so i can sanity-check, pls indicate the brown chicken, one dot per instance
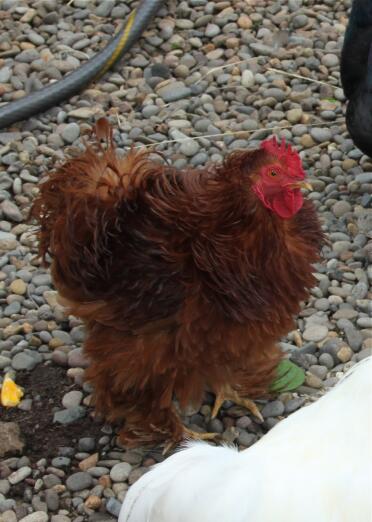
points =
(186, 279)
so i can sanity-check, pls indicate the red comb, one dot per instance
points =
(286, 155)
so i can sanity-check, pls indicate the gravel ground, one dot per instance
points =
(204, 69)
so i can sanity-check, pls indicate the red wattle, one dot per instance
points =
(287, 204)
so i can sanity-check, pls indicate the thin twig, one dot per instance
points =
(272, 69)
(221, 67)
(236, 133)
(293, 75)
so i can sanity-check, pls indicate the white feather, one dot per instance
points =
(314, 466)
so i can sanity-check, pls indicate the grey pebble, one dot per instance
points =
(113, 506)
(320, 134)
(273, 409)
(42, 279)
(98, 471)
(71, 132)
(72, 399)
(360, 290)
(363, 322)
(79, 481)
(104, 8)
(319, 371)
(293, 404)
(9, 516)
(7, 504)
(174, 91)
(37, 516)
(19, 475)
(322, 304)
(78, 334)
(11, 211)
(77, 359)
(52, 500)
(62, 518)
(120, 472)
(300, 21)
(51, 480)
(189, 147)
(215, 426)
(4, 362)
(354, 338)
(325, 359)
(61, 462)
(69, 415)
(340, 208)
(313, 381)
(4, 487)
(63, 336)
(5, 74)
(87, 444)
(246, 439)
(316, 332)
(23, 361)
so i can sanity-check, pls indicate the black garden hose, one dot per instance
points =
(93, 69)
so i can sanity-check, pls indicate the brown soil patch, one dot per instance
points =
(46, 385)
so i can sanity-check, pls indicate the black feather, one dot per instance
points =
(356, 74)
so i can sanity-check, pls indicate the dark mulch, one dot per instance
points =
(46, 385)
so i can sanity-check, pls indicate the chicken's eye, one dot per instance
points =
(273, 173)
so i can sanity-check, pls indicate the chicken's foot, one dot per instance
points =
(229, 394)
(190, 434)
(196, 435)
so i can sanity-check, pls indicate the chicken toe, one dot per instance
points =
(189, 434)
(229, 394)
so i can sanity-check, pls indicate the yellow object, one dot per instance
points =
(121, 44)
(11, 394)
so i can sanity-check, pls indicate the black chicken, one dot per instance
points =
(356, 74)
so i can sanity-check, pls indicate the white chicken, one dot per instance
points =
(314, 466)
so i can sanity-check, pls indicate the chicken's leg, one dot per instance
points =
(229, 394)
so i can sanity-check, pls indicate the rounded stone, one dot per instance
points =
(319, 371)
(19, 475)
(322, 304)
(344, 354)
(78, 481)
(293, 404)
(315, 333)
(87, 444)
(273, 409)
(320, 134)
(190, 147)
(326, 359)
(72, 399)
(23, 361)
(341, 208)
(313, 381)
(330, 60)
(113, 506)
(36, 516)
(248, 79)
(69, 415)
(18, 287)
(120, 472)
(77, 359)
(71, 132)
(294, 115)
(246, 439)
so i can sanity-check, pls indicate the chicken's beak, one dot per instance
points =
(302, 185)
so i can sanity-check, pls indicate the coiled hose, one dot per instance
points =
(93, 69)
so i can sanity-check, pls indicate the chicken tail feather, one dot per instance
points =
(83, 207)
